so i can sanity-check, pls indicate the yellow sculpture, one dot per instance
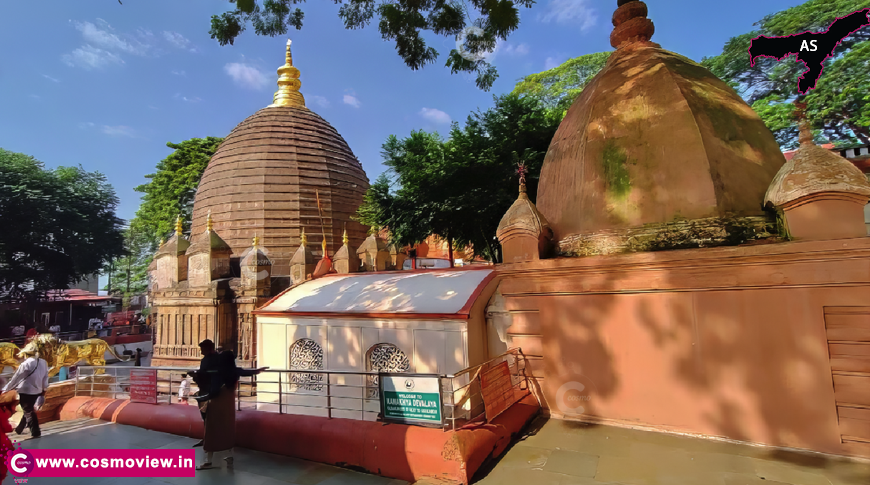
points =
(8, 350)
(91, 350)
(58, 353)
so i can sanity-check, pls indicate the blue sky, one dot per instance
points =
(106, 85)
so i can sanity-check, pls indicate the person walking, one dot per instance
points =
(220, 416)
(31, 382)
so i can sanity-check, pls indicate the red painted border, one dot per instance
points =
(405, 452)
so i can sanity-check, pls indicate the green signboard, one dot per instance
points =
(411, 400)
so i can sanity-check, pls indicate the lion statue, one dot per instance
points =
(58, 353)
(91, 350)
(8, 350)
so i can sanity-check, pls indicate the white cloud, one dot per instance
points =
(50, 78)
(552, 62)
(179, 41)
(188, 100)
(320, 101)
(105, 39)
(351, 100)
(246, 76)
(570, 11)
(517, 50)
(35, 96)
(119, 130)
(89, 57)
(179, 73)
(435, 115)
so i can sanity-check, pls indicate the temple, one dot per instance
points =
(281, 176)
(676, 273)
(700, 283)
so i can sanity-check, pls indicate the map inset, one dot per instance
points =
(811, 48)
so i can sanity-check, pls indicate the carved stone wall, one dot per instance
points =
(199, 273)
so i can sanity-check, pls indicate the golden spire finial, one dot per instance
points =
(344, 238)
(288, 84)
(209, 224)
(256, 240)
(178, 227)
(304, 238)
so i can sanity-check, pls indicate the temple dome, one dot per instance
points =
(265, 178)
(654, 137)
(815, 170)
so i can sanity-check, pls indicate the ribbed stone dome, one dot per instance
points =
(262, 181)
(654, 137)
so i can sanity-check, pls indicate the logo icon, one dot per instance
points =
(460, 43)
(409, 384)
(20, 462)
(572, 397)
(253, 257)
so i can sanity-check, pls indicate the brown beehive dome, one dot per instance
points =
(654, 137)
(265, 178)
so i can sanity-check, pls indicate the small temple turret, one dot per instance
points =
(524, 233)
(398, 255)
(208, 257)
(172, 259)
(345, 260)
(373, 253)
(256, 269)
(821, 194)
(302, 263)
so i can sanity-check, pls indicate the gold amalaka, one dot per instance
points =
(288, 84)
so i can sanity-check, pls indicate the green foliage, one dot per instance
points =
(557, 88)
(59, 226)
(172, 188)
(128, 275)
(458, 189)
(836, 106)
(400, 22)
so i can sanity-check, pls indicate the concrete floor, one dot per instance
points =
(559, 452)
(553, 452)
(251, 467)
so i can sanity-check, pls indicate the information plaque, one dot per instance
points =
(411, 400)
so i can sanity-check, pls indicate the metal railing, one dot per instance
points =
(113, 382)
(463, 401)
(326, 393)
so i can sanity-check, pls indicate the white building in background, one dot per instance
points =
(414, 322)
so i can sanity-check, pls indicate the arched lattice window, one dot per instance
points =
(306, 354)
(384, 358)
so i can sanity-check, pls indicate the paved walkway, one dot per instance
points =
(569, 453)
(251, 467)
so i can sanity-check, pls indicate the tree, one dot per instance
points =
(557, 88)
(59, 226)
(459, 188)
(400, 22)
(837, 107)
(172, 189)
(128, 275)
